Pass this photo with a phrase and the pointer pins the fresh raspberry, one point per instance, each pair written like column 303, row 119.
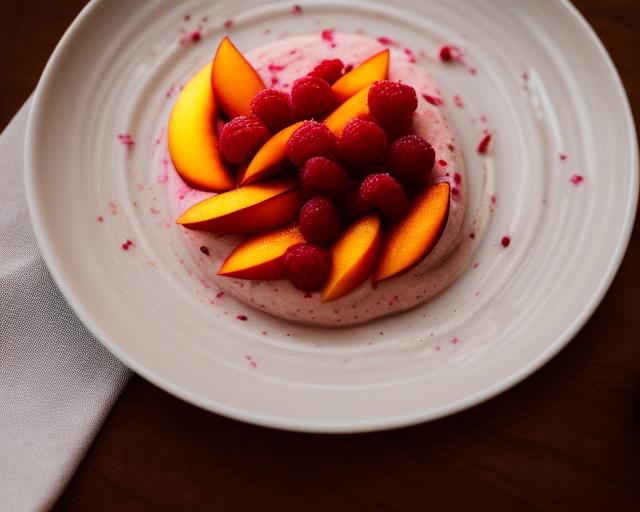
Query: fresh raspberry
column 311, row 97
column 324, row 176
column 320, row 221
column 241, row 137
column 392, row 103
column 307, row 266
column 362, row 142
column 383, row 192
column 329, row 70
column 309, row 140
column 411, row 159
column 273, row 107
column 352, row 205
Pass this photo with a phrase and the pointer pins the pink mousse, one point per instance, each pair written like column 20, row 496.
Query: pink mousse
column 279, row 64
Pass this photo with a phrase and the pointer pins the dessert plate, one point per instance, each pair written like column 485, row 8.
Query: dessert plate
column 561, row 172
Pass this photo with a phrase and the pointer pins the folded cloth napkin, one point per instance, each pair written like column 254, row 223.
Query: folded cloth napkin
column 57, row 383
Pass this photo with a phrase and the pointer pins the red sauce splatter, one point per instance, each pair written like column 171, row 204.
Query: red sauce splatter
column 472, row 235
column 328, row 36
column 187, row 17
column 274, row 80
column 296, row 9
column 576, row 179
column 506, row 240
column 154, row 211
column 473, row 71
column 484, row 144
column 274, row 68
column 493, row 200
column 454, row 192
column 100, row 218
column 113, row 208
column 409, row 53
column 450, row 53
column 432, row 99
column 251, row 362
column 525, row 76
column 450, row 146
column 219, row 295
column 454, row 340
column 204, row 250
column 442, row 163
column 127, row 244
column 456, row 177
column 381, row 333
column 196, row 35
column 457, row 100
column 228, row 23
column 387, row 41
column 563, row 156
column 264, row 333
column 242, row 318
column 476, row 265
column 126, row 139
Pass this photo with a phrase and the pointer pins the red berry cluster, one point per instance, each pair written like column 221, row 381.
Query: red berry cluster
column 375, row 164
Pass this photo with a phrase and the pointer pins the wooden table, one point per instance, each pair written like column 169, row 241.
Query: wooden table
column 567, row 438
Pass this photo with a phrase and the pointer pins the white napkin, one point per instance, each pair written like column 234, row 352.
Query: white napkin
column 57, row 383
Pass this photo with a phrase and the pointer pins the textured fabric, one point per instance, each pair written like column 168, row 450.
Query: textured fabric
column 57, row 383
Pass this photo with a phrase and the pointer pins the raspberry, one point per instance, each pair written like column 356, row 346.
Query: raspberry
column 383, row 192
column 411, row 159
column 273, row 107
column 329, row 70
column 362, row 142
column 392, row 103
column 241, row 137
column 320, row 221
column 311, row 97
column 352, row 205
column 309, row 140
column 324, row 176
column 307, row 266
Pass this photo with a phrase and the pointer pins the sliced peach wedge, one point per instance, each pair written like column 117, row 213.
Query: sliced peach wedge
column 371, row 70
column 356, row 106
column 353, row 257
column 260, row 257
column 265, row 161
column 233, row 79
column 246, row 209
column 193, row 144
column 412, row 238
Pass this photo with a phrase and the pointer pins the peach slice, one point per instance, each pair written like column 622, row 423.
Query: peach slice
column 246, row 209
column 413, row 237
column 193, row 144
column 371, row 70
column 234, row 80
column 353, row 257
column 356, row 106
column 266, row 160
column 260, row 257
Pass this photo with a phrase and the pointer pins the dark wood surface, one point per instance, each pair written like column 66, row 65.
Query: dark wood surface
column 567, row 438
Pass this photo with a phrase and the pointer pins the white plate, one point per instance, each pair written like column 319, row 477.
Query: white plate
column 112, row 73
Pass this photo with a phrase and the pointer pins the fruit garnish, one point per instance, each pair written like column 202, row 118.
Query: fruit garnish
column 385, row 194
column 307, row 266
column 362, row 142
column 392, row 103
column 321, row 175
column 311, row 97
column 347, row 172
column 309, row 140
column 411, row 159
column 328, row 70
column 371, row 70
column 320, row 221
column 241, row 137
column 273, row 108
